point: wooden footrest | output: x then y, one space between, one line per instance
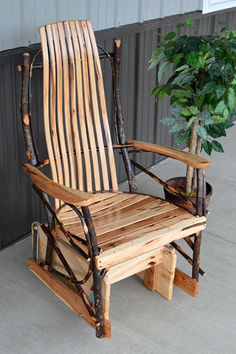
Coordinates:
66 292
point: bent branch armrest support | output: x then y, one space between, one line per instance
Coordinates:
186 157
58 191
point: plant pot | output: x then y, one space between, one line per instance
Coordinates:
180 182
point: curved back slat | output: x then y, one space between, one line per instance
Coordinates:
75 116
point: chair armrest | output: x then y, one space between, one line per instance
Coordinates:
58 191
186 157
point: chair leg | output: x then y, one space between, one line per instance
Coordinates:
196 255
106 290
161 277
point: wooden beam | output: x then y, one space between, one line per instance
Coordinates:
106 292
186 283
66 292
160 277
184 156
134 265
145 242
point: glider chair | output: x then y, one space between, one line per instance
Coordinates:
96 235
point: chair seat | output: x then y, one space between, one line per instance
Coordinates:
129 224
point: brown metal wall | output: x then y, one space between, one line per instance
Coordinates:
18 205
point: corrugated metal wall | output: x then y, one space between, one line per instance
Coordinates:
19 206
19 19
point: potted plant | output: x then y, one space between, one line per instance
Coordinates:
202 88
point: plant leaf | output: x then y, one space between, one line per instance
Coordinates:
164 68
205 48
220 107
192 58
225 114
201 131
231 98
220 90
207 147
177 58
190 122
217 146
182 67
201 61
189 22
168 121
186 113
178 94
194 110
170 36
155 90
176 111
228 124
216 130
179 139
218 119
208 88
179 26
177 128
161 95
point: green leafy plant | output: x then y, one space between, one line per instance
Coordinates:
201 86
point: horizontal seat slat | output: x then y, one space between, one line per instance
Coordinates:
131 220
107 239
148 238
104 225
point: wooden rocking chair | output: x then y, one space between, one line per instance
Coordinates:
96 235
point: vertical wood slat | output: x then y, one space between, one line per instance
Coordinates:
53 120
103 107
66 96
81 112
73 106
77 107
60 106
87 104
95 106
46 101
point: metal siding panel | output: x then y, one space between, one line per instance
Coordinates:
10 24
15 192
19 19
130 11
171 8
142 113
193 5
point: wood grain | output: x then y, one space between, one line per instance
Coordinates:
59 104
161 277
46 102
66 194
134 265
186 283
66 104
189 159
76 122
148 238
87 103
166 273
103 107
53 119
73 105
81 108
66 292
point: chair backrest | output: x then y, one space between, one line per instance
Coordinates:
75 116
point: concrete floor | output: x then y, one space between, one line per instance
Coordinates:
33 320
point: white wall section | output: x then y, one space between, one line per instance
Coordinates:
19 19
217 5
